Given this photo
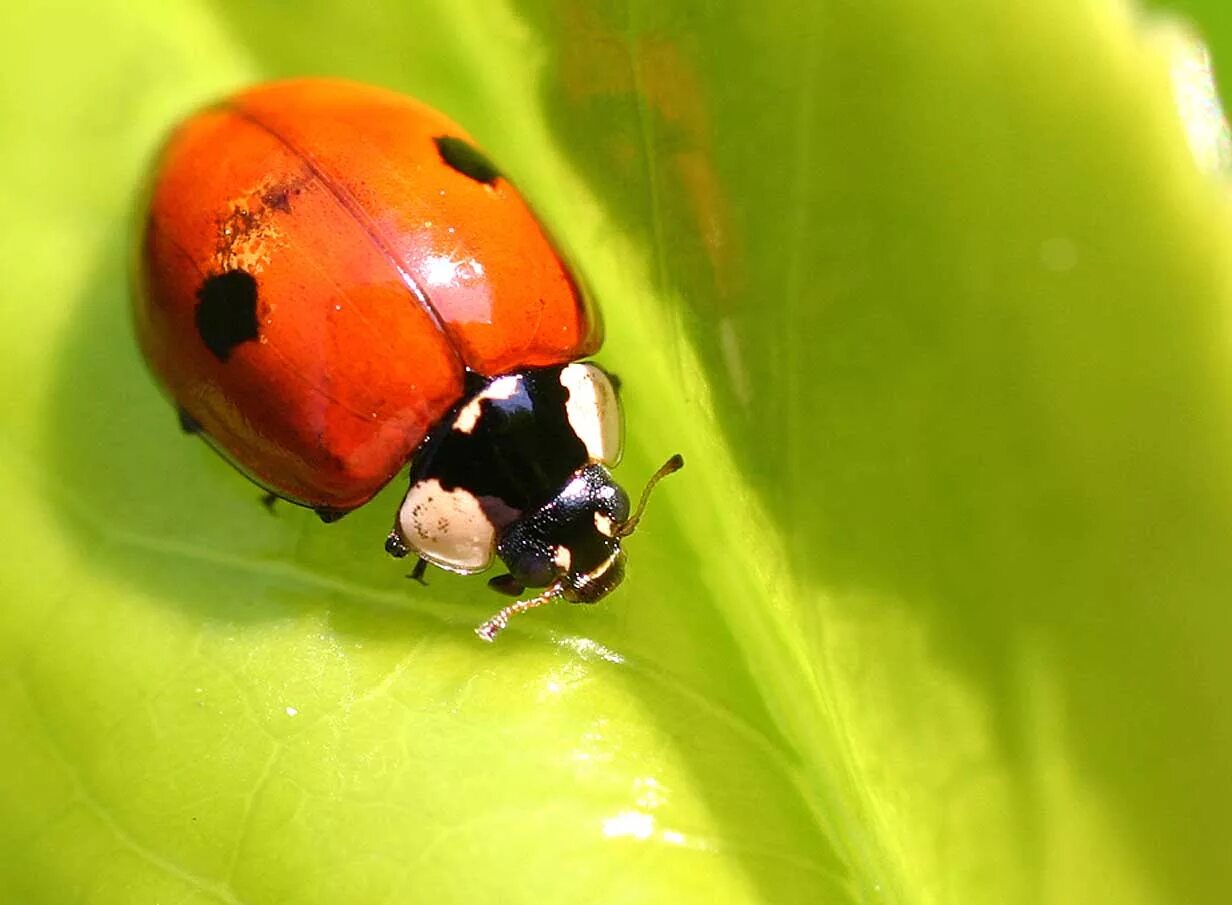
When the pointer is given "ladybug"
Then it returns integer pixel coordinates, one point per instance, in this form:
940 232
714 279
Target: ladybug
335 281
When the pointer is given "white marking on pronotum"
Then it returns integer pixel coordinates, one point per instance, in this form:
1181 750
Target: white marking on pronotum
593 411
447 527
604 524
562 557
468 417
500 388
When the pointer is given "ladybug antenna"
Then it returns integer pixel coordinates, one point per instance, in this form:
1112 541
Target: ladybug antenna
493 627
671 466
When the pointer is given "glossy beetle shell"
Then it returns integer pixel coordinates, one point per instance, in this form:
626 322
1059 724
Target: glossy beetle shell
317 274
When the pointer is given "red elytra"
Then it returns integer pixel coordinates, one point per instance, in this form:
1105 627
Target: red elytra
322 262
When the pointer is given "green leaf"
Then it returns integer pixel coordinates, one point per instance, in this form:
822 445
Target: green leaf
932 297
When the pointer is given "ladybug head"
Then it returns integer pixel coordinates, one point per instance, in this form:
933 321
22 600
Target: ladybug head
570 546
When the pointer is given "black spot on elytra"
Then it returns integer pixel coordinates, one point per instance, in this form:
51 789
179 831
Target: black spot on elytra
468 160
226 314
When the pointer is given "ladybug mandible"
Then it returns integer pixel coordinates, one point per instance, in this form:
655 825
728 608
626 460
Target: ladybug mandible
335 281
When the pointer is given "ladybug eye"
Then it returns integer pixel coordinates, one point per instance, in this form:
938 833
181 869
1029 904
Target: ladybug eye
226 313
468 160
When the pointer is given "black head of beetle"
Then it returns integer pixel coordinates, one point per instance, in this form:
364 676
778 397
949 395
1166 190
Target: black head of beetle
573 539
570 545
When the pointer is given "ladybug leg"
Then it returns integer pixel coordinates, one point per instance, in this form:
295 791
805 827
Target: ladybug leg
268 500
506 584
417 573
188 424
328 516
395 546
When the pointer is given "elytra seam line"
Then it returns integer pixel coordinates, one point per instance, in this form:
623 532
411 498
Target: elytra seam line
352 207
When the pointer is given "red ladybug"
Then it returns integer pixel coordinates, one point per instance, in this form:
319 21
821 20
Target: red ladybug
335 281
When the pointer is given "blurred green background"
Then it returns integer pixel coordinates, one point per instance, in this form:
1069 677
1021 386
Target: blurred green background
934 299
